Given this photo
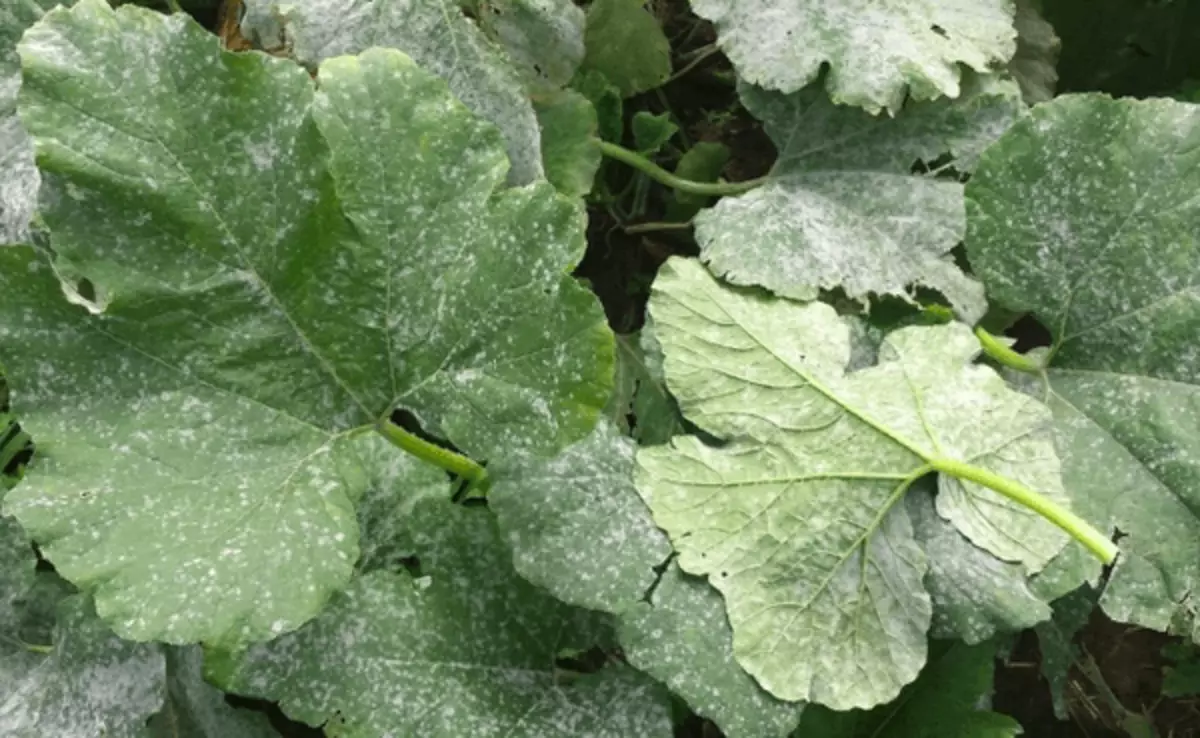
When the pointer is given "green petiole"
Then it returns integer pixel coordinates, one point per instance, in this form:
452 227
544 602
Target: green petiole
1002 354
1078 528
662 176
456 464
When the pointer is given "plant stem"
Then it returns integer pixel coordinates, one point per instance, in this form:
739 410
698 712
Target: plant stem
653 227
456 464
657 173
174 6
1078 528
701 55
996 349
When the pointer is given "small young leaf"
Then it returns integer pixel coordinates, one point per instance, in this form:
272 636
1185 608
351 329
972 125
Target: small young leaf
569 153
842 207
877 52
651 132
606 99
682 638
1056 641
640 391
577 526
468 649
1084 214
795 519
704 162
625 43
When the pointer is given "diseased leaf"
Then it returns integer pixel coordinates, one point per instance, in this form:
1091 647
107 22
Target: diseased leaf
195 710
569 153
1084 214
842 207
975 595
641 391
468 649
576 525
18 174
794 518
1056 642
436 34
1034 65
878 52
91 684
625 44
543 37
682 638
17 566
944 701
704 162
196 466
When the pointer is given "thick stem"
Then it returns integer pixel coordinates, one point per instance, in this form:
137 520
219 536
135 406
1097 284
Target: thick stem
1078 528
456 464
1004 355
662 176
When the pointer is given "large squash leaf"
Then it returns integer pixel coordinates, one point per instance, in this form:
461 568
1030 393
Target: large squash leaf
195 426
1084 214
795 519
877 52
435 33
842 207
466 649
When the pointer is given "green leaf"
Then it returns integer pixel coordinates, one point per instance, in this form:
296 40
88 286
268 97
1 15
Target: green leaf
877 52
974 594
794 519
641 391
436 34
1084 215
682 638
18 174
543 37
1034 64
196 428
606 99
17 566
1056 642
467 649
944 701
1182 677
651 132
704 162
195 710
576 525
625 44
842 207
91 684
569 152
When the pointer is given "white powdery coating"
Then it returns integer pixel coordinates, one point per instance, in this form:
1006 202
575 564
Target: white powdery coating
1085 215
877 50
194 431
842 208
196 710
91 684
433 32
18 173
468 649
794 520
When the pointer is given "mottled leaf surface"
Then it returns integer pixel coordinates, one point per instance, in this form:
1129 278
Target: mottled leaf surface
1034 66
17 565
194 709
974 594
436 34
625 43
794 520
1084 214
842 207
18 174
467 649
877 52
193 429
576 524
91 684
1056 643
944 701
642 405
544 38
682 638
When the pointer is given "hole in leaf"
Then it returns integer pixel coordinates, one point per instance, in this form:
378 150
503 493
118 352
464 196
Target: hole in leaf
285 725
939 30
582 662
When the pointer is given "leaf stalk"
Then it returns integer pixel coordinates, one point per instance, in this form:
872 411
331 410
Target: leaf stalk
1002 354
1078 528
662 176
456 464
